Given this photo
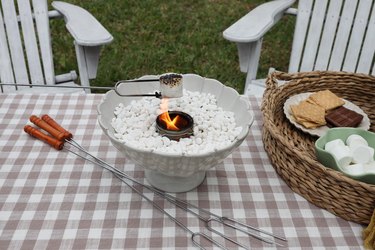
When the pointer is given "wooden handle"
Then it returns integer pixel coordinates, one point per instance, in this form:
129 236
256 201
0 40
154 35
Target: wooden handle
55 125
44 137
43 125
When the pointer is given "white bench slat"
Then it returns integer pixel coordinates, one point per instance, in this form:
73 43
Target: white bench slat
304 12
6 71
44 36
368 50
328 36
357 35
342 35
313 38
32 52
16 50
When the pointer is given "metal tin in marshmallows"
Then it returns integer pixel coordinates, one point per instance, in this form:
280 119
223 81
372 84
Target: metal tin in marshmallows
186 126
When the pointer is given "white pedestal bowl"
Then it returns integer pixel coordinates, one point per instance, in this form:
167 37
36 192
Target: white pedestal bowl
177 172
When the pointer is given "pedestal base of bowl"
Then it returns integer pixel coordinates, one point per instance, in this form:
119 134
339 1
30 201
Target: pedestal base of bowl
174 184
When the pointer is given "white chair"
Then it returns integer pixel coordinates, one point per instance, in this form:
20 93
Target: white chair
337 35
25 44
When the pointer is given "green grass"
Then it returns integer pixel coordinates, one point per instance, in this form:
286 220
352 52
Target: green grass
155 36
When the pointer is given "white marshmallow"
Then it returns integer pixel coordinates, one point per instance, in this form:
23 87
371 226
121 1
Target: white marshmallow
342 154
362 154
171 85
354 169
369 168
355 140
334 143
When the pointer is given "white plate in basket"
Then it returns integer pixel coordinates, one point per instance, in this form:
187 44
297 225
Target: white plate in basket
319 131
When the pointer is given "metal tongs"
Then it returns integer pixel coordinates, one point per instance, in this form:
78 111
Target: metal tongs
163 78
58 136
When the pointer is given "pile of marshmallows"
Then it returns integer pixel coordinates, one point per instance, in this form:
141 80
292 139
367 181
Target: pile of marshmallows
355 157
214 128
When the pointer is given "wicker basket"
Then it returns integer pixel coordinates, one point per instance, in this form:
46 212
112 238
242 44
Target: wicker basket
292 151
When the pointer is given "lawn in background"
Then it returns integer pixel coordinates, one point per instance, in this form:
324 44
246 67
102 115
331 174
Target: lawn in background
155 36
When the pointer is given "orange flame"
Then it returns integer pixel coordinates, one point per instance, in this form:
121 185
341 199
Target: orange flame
170 124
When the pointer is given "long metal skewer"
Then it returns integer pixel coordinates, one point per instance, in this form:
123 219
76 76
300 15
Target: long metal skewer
164 79
52 127
181 203
156 94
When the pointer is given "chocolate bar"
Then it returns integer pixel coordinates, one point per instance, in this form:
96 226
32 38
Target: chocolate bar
343 117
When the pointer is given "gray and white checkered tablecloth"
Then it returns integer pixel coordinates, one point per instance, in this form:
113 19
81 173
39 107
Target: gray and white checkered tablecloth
51 199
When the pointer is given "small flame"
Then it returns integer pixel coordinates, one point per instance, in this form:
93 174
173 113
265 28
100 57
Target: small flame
170 124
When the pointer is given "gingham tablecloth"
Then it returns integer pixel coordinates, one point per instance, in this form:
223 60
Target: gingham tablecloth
50 199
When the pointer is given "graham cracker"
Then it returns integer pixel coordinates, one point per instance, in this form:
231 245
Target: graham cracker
308 114
326 99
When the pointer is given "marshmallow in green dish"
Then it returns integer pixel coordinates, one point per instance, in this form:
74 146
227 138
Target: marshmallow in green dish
342 154
362 154
354 169
339 151
370 168
334 143
356 140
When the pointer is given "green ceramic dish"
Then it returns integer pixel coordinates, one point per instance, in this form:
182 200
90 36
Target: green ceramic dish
343 133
